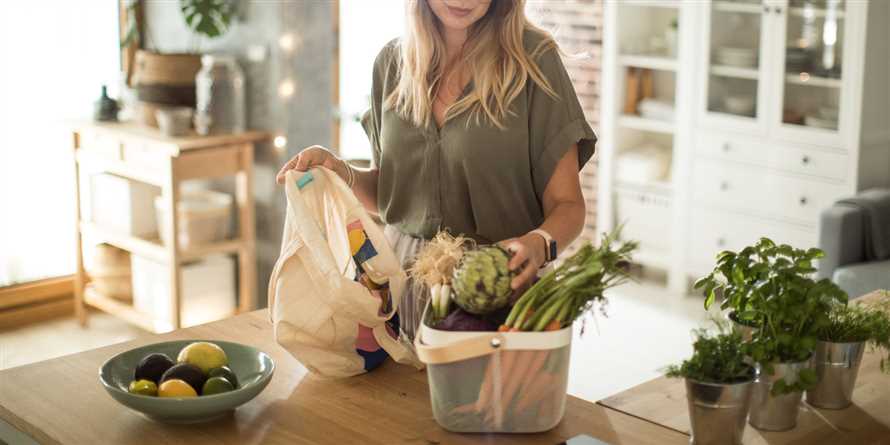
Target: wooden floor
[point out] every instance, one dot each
(61, 337)
(646, 329)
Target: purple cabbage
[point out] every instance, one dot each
(461, 320)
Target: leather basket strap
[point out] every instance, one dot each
(460, 350)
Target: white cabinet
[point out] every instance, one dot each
(781, 108)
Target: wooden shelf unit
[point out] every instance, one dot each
(143, 154)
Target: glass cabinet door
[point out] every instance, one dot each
(734, 80)
(812, 71)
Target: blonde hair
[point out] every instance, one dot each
(494, 53)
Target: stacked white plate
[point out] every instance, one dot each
(739, 57)
(826, 118)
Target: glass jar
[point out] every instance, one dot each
(220, 96)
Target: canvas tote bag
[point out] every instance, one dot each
(336, 282)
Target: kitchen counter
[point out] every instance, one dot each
(61, 401)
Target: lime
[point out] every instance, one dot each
(226, 373)
(144, 387)
(204, 355)
(176, 388)
(217, 385)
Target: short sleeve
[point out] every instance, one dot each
(371, 119)
(555, 123)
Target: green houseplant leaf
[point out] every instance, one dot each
(207, 17)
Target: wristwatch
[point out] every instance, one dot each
(550, 248)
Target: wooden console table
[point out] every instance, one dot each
(143, 154)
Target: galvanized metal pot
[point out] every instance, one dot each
(837, 365)
(776, 413)
(718, 411)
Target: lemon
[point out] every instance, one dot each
(176, 388)
(204, 355)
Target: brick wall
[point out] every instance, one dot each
(577, 27)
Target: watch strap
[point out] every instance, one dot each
(550, 251)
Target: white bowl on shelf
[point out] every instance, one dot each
(738, 57)
(828, 113)
(817, 122)
(738, 104)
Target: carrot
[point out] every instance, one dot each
(534, 361)
(488, 381)
(536, 392)
(464, 409)
(545, 412)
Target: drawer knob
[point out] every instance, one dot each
(803, 200)
(777, 9)
(805, 160)
(724, 186)
(726, 147)
(721, 242)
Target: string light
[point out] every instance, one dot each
(286, 88)
(280, 141)
(287, 42)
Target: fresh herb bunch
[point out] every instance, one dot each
(770, 287)
(573, 288)
(855, 323)
(716, 358)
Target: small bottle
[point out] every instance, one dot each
(106, 108)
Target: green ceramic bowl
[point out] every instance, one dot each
(254, 369)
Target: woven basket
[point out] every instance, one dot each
(166, 69)
(110, 273)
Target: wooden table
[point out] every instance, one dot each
(663, 402)
(143, 154)
(61, 401)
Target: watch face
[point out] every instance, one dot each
(552, 252)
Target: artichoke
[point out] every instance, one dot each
(481, 283)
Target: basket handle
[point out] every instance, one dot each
(460, 350)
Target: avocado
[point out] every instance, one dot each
(226, 373)
(152, 367)
(191, 374)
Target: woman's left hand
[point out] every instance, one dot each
(528, 257)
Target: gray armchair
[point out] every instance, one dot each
(855, 235)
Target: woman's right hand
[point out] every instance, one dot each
(314, 156)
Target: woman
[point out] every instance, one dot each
(475, 128)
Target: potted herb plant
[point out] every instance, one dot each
(168, 79)
(773, 286)
(718, 388)
(840, 348)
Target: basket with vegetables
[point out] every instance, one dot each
(496, 365)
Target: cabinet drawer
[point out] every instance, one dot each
(733, 148)
(144, 155)
(751, 189)
(759, 151)
(729, 185)
(810, 162)
(712, 231)
(100, 144)
(803, 199)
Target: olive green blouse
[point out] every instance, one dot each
(474, 179)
